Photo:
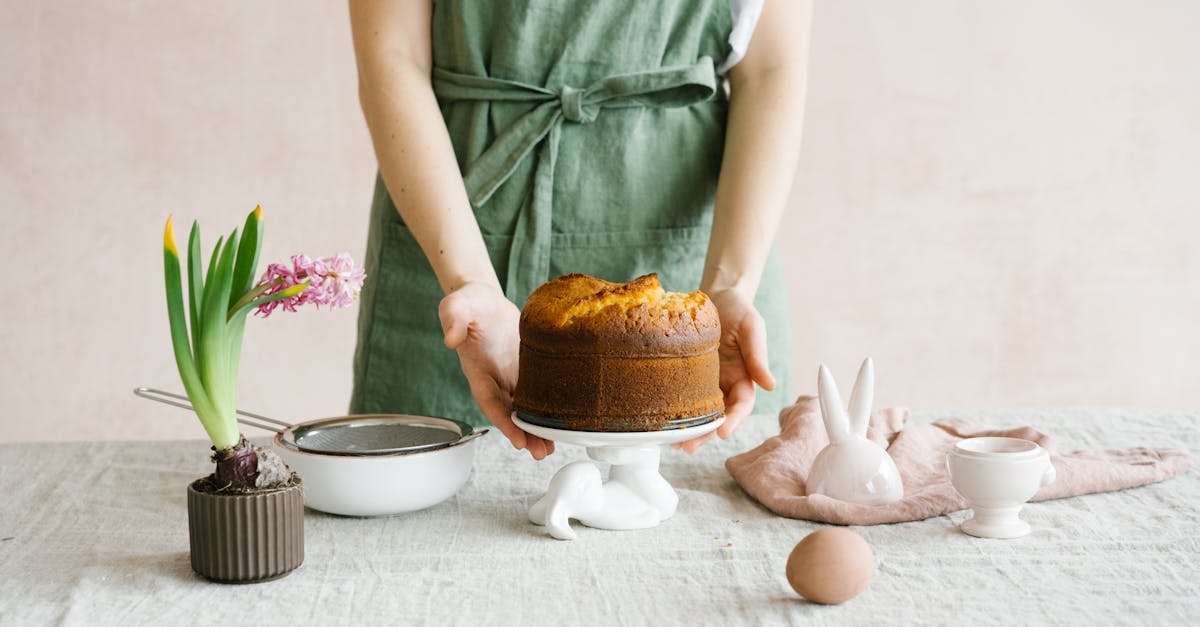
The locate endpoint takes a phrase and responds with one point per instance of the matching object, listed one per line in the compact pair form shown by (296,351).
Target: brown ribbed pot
(245,538)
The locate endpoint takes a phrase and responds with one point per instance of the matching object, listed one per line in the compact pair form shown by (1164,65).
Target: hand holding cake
(480,324)
(742,354)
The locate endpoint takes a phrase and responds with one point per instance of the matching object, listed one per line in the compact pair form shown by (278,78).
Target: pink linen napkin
(774,473)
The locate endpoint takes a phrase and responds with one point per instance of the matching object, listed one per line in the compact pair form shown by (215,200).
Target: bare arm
(762,147)
(392,43)
(762,150)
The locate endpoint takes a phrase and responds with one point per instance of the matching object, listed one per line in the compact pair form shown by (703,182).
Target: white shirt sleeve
(745,16)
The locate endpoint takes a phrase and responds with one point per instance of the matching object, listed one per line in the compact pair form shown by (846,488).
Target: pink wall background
(996,200)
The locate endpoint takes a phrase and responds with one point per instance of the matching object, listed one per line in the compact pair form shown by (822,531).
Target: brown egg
(830,566)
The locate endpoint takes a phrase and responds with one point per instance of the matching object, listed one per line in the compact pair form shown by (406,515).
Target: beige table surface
(96,534)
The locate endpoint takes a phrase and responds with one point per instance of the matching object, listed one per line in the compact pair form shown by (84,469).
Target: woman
(522,140)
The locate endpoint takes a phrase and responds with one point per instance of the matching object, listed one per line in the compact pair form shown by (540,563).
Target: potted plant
(246,519)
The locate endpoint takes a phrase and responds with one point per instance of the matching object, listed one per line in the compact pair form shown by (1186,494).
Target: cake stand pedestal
(635,496)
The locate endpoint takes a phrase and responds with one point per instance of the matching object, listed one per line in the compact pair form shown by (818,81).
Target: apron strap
(540,128)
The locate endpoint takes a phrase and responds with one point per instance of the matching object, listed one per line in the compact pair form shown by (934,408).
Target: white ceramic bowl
(997,476)
(379,485)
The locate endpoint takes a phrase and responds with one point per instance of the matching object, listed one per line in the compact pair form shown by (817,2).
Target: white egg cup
(635,496)
(997,476)
(852,468)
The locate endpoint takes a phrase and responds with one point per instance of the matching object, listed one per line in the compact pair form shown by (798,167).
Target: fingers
(739,401)
(515,435)
(539,448)
(496,409)
(731,424)
(456,334)
(693,444)
(724,431)
(455,315)
(753,346)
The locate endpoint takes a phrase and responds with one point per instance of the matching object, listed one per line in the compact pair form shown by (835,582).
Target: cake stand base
(635,496)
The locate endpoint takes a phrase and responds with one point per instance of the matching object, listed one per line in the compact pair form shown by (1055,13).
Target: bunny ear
(837,424)
(861,398)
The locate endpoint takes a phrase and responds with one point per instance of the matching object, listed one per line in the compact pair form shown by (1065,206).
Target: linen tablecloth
(96,533)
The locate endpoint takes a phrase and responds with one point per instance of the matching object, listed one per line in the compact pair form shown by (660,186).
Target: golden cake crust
(638,317)
(602,356)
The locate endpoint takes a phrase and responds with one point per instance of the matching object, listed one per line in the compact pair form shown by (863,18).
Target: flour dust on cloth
(774,473)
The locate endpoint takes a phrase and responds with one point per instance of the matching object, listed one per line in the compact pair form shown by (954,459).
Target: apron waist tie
(540,128)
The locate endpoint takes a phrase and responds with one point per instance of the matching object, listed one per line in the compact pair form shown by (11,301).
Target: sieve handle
(472,436)
(179,400)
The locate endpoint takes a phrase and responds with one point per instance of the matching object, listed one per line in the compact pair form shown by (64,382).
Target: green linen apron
(590,136)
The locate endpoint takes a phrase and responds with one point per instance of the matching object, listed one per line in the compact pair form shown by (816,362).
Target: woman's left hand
(743,357)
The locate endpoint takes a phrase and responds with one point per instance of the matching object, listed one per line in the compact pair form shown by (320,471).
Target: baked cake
(601,356)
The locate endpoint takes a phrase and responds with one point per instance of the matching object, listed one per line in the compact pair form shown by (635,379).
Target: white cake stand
(635,496)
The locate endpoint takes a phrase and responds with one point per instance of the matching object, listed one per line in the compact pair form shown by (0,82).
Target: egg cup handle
(1049,475)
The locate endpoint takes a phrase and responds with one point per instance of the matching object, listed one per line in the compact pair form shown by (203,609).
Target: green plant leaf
(247,298)
(206,288)
(213,348)
(280,295)
(195,264)
(212,265)
(247,256)
(222,433)
(234,330)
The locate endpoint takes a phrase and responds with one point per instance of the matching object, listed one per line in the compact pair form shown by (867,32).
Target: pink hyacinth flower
(334,282)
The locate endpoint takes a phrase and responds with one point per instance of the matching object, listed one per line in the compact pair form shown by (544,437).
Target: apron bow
(574,109)
(540,128)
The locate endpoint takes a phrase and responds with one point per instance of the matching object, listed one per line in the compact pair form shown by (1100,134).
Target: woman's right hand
(481,324)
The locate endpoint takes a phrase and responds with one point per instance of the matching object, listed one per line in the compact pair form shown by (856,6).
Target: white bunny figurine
(852,468)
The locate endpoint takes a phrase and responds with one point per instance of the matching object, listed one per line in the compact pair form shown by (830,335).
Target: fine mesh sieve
(366,434)
(377,434)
